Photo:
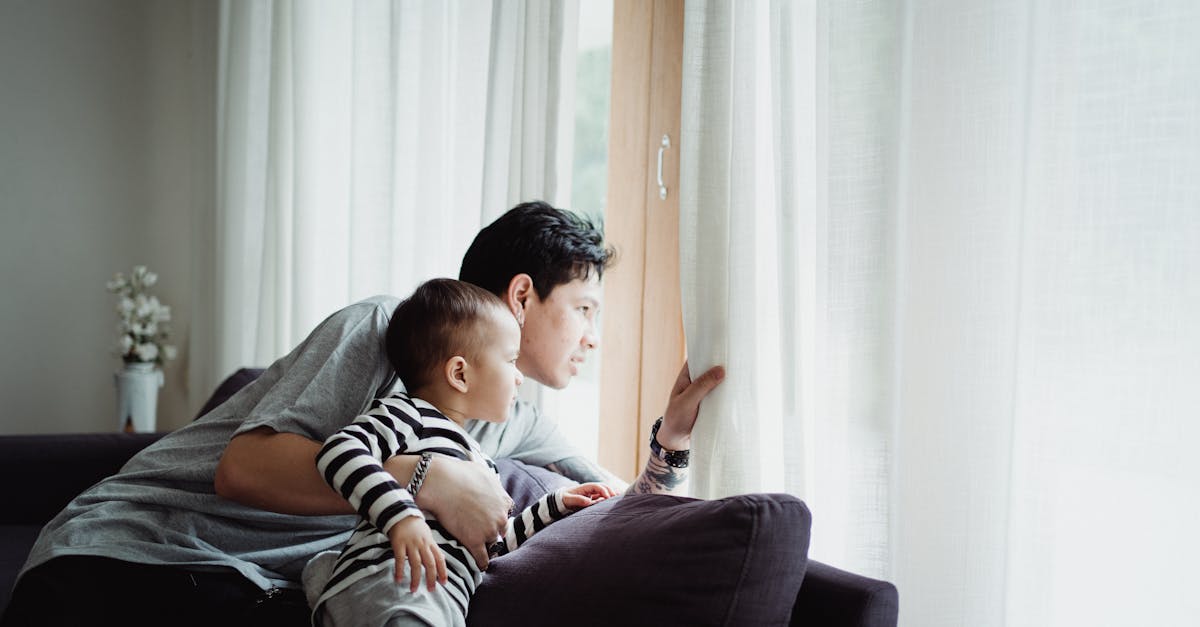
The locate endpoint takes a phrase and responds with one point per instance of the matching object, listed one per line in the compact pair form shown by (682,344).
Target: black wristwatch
(674,459)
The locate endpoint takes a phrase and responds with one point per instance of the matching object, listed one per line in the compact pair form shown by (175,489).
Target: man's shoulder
(369,312)
(381,302)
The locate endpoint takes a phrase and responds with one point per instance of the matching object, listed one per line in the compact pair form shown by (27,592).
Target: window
(577,408)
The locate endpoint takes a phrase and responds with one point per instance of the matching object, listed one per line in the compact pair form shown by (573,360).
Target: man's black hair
(551,245)
(440,320)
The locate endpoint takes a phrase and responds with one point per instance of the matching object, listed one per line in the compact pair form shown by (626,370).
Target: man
(216,521)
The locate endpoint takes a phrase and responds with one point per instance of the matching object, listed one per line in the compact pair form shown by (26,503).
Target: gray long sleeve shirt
(161,507)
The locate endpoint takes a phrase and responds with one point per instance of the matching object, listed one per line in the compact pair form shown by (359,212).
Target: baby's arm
(352,464)
(551,507)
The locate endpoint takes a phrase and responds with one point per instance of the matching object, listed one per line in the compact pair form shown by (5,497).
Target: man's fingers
(479,552)
(682,381)
(682,409)
(711,377)
(704,384)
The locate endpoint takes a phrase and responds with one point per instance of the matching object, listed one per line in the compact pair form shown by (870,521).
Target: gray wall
(105,113)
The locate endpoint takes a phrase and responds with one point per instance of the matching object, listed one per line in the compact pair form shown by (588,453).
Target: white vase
(137,396)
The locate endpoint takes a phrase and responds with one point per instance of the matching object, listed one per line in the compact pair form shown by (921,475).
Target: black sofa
(734,562)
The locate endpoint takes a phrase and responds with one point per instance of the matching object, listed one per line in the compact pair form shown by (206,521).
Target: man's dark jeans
(84,590)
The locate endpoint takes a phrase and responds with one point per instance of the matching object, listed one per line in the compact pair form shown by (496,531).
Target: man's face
(559,331)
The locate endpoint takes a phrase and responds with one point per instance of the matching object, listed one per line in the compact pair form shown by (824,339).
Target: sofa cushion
(229,387)
(732,561)
(526,484)
(63,464)
(15,542)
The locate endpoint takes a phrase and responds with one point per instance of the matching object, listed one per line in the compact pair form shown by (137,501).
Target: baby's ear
(456,373)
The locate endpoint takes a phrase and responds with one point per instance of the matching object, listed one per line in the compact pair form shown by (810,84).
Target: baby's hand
(586,495)
(412,539)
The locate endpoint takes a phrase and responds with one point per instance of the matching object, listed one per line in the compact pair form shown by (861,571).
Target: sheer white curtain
(949,252)
(362,144)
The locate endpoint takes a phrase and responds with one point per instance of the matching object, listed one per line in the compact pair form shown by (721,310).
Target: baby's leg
(316,574)
(378,600)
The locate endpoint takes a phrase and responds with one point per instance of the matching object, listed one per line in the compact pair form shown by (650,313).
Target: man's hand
(675,434)
(684,405)
(467,499)
(412,540)
(586,495)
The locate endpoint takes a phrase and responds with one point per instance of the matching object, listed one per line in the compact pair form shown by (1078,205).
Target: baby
(454,346)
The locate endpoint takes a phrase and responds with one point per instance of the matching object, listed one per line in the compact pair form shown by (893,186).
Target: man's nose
(520,378)
(591,338)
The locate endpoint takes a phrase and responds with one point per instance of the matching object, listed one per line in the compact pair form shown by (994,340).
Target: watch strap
(674,459)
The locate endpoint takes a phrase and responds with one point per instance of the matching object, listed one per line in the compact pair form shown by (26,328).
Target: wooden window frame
(642,323)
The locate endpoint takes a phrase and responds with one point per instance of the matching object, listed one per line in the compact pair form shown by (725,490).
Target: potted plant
(143,328)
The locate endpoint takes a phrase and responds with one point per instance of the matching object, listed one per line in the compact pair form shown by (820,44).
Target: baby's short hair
(438,321)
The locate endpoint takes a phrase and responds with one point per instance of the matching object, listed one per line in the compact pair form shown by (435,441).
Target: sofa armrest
(831,596)
(64,465)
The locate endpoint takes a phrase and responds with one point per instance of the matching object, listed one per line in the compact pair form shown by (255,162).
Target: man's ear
(516,297)
(455,372)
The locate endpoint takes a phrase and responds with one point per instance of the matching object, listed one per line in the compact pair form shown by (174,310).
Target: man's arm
(675,434)
(658,478)
(277,472)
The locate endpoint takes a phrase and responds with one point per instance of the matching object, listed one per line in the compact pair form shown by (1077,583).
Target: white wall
(103,111)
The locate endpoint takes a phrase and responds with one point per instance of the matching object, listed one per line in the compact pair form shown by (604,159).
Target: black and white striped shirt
(352,463)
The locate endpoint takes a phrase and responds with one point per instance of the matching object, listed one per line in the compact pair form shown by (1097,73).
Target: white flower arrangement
(144,322)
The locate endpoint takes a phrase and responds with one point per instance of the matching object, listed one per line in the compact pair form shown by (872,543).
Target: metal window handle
(662,187)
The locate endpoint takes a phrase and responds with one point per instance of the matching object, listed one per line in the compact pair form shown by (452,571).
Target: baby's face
(494,375)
